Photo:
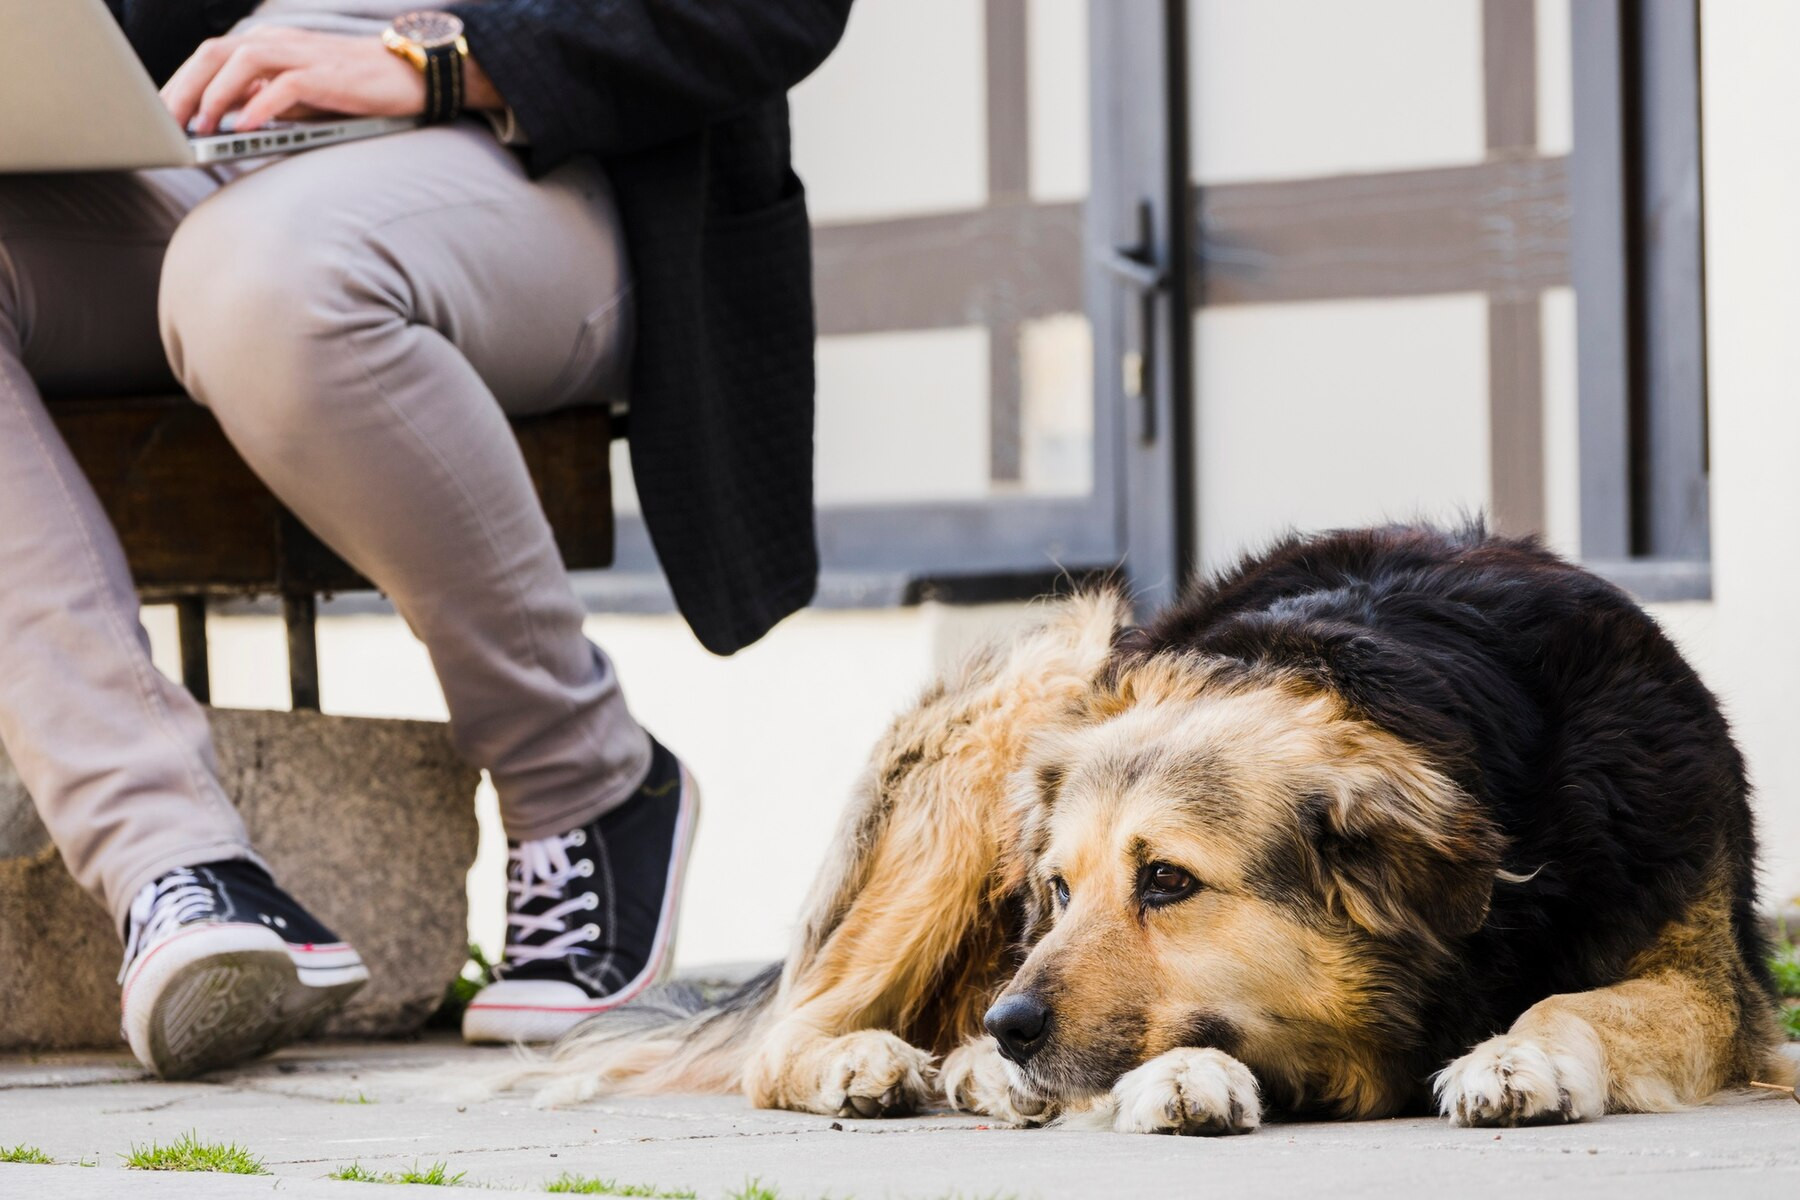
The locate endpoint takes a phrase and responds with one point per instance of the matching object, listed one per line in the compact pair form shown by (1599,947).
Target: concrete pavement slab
(319,1107)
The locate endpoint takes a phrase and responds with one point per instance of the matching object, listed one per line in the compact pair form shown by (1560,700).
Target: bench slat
(195,520)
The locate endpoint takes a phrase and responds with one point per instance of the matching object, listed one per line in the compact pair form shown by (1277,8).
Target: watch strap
(443,83)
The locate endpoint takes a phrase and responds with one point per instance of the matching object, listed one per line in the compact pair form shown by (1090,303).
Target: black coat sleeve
(165,32)
(613,76)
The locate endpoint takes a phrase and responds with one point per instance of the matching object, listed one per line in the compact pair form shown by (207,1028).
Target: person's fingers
(247,63)
(181,94)
(275,98)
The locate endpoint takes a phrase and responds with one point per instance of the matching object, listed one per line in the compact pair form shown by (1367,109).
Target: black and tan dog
(1377,820)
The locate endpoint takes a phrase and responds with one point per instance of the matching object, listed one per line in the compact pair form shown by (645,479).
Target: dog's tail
(681,1037)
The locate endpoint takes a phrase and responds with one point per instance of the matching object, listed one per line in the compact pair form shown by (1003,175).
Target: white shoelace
(162,907)
(542,871)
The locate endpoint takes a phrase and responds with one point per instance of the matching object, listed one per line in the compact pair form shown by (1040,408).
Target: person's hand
(274,73)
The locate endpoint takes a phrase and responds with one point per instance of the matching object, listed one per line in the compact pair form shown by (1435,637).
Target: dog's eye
(1060,886)
(1165,883)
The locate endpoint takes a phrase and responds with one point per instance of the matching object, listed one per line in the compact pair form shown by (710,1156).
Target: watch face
(429,29)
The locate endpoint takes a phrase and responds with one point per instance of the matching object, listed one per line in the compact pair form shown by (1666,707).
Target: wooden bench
(198,525)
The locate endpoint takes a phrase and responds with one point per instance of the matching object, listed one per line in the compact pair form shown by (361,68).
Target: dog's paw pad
(1513,1080)
(975,1079)
(1200,1092)
(874,1074)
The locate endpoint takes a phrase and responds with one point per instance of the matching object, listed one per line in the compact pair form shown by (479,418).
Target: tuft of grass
(31,1154)
(359,1098)
(584,1185)
(754,1189)
(436,1175)
(189,1153)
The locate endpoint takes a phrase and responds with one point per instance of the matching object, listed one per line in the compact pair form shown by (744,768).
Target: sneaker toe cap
(527,1010)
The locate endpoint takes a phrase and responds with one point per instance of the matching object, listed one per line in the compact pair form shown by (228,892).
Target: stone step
(369,823)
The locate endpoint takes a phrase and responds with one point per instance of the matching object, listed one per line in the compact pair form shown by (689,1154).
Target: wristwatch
(434,43)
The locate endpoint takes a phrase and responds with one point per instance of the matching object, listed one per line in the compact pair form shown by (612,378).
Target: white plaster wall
(895,121)
(1751,95)
(1056,417)
(1057,75)
(1555,78)
(1293,88)
(902,416)
(1562,421)
(1344,412)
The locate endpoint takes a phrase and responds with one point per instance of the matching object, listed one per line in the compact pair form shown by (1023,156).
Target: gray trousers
(361,319)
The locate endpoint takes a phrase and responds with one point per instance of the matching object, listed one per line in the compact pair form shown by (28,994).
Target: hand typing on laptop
(276,73)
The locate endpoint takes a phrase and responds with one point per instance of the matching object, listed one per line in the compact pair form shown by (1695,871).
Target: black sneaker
(222,966)
(591,914)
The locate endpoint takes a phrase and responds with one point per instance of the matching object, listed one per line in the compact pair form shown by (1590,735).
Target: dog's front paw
(1518,1080)
(1205,1092)
(872,1073)
(975,1079)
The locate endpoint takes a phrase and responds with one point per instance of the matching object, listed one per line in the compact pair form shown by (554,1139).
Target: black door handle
(1136,268)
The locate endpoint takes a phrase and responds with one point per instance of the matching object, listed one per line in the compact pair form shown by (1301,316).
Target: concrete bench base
(369,823)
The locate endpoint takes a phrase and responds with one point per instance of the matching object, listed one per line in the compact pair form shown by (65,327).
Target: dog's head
(1227,861)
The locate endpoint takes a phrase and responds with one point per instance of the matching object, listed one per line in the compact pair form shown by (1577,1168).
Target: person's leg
(117,758)
(220,964)
(362,320)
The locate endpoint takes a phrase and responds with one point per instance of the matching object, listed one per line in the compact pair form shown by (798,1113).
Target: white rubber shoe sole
(542,1010)
(217,995)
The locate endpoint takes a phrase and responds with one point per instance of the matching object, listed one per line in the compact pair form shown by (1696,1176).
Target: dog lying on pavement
(1376,822)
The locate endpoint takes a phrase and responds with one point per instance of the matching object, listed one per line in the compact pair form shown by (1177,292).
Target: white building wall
(1338,413)
(1750,104)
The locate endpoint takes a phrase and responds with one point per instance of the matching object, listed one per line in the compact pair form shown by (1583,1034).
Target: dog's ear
(1405,857)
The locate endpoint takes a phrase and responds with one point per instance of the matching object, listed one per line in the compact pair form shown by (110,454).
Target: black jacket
(685,103)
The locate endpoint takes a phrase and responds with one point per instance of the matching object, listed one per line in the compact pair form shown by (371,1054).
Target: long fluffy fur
(1443,787)
(920,849)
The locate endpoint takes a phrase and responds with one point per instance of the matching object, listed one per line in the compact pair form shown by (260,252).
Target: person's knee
(258,307)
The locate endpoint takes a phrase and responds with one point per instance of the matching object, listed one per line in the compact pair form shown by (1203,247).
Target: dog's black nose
(1019,1024)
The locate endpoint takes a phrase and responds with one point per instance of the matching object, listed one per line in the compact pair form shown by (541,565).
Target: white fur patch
(872,1073)
(1187,1091)
(1517,1079)
(975,1079)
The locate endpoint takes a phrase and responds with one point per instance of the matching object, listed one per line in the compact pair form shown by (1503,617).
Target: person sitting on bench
(613,216)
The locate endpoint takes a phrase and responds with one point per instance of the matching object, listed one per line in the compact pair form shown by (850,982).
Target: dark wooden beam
(1009,181)
(1509,73)
(1006,402)
(1515,331)
(977,267)
(1500,227)
(1008,102)
(1516,414)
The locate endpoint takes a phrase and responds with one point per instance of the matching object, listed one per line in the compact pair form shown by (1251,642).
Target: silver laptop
(73,97)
